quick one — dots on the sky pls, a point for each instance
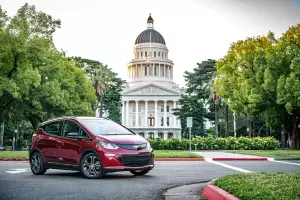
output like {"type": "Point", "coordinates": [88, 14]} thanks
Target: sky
{"type": "Point", "coordinates": [194, 30]}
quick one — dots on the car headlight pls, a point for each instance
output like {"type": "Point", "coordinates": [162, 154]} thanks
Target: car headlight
{"type": "Point", "coordinates": [108, 145]}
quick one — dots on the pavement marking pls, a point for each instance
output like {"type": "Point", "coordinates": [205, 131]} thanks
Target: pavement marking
{"type": "Point", "coordinates": [291, 163]}
{"type": "Point", "coordinates": [17, 171]}
{"type": "Point", "coordinates": [210, 160]}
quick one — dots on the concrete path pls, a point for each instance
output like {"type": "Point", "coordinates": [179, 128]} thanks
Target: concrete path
{"type": "Point", "coordinates": [185, 192]}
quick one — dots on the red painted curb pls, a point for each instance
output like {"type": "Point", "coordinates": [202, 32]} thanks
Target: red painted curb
{"type": "Point", "coordinates": [243, 159]}
{"type": "Point", "coordinates": [13, 159]}
{"type": "Point", "coordinates": [179, 159]}
{"type": "Point", "coordinates": [212, 192]}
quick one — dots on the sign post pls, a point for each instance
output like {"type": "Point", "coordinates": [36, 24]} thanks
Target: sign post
{"type": "Point", "coordinates": [189, 124]}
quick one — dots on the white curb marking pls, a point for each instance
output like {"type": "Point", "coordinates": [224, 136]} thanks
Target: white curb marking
{"type": "Point", "coordinates": [227, 166]}
{"type": "Point", "coordinates": [16, 171]}
{"type": "Point", "coordinates": [291, 163]}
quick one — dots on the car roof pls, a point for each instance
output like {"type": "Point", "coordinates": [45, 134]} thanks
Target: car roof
{"type": "Point", "coordinates": [70, 117]}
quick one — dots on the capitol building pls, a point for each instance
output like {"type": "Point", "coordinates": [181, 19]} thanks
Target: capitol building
{"type": "Point", "coordinates": [150, 93]}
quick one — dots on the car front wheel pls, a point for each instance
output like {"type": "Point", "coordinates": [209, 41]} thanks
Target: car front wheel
{"type": "Point", "coordinates": [140, 172]}
{"type": "Point", "coordinates": [37, 164]}
{"type": "Point", "coordinates": [91, 166]}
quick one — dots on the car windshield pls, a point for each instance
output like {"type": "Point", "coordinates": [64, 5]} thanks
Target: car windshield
{"type": "Point", "coordinates": [105, 127]}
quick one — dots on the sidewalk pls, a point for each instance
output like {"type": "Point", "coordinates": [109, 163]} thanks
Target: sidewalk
{"type": "Point", "coordinates": [219, 155]}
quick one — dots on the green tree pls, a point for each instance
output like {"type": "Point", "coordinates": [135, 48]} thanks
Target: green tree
{"type": "Point", "coordinates": [107, 84]}
{"type": "Point", "coordinates": [36, 80]}
{"type": "Point", "coordinates": [260, 77]}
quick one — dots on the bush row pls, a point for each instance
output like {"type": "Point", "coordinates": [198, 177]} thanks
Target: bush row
{"type": "Point", "coordinates": [211, 143]}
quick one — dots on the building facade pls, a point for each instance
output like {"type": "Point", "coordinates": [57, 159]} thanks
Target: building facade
{"type": "Point", "coordinates": [151, 94]}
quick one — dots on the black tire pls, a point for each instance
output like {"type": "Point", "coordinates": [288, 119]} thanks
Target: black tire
{"type": "Point", "coordinates": [140, 172]}
{"type": "Point", "coordinates": [37, 164]}
{"type": "Point", "coordinates": [90, 166]}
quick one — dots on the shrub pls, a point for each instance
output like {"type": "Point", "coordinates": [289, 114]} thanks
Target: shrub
{"type": "Point", "coordinates": [211, 143]}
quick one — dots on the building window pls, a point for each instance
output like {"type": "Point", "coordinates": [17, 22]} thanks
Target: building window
{"type": "Point", "coordinates": [145, 53]}
{"type": "Point", "coordinates": [168, 121]}
{"type": "Point", "coordinates": [155, 71]}
{"type": "Point", "coordinates": [162, 108]}
{"type": "Point", "coordinates": [170, 135]}
{"type": "Point", "coordinates": [142, 134]}
{"type": "Point", "coordinates": [151, 121]}
{"type": "Point", "coordinates": [151, 135]}
{"type": "Point", "coordinates": [159, 54]}
{"type": "Point", "coordinates": [154, 54]}
{"type": "Point", "coordinates": [162, 54]}
{"type": "Point", "coordinates": [162, 122]}
{"type": "Point", "coordinates": [146, 71]}
{"type": "Point", "coordinates": [168, 108]}
{"type": "Point", "coordinates": [161, 135]}
{"type": "Point", "coordinates": [141, 54]}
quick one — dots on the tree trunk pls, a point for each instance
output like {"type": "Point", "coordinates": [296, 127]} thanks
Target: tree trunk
{"type": "Point", "coordinates": [101, 106]}
{"type": "Point", "coordinates": [267, 130]}
{"type": "Point", "coordinates": [216, 121]}
{"type": "Point", "coordinates": [282, 140]}
{"type": "Point", "coordinates": [226, 120]}
{"type": "Point", "coordinates": [1, 134]}
{"type": "Point", "coordinates": [293, 135]}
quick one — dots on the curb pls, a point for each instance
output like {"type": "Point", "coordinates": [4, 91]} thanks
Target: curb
{"type": "Point", "coordinates": [212, 192]}
{"type": "Point", "coordinates": [14, 159]}
{"type": "Point", "coordinates": [179, 159]}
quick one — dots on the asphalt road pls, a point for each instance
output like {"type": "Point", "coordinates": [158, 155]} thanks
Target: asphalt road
{"type": "Point", "coordinates": [17, 182]}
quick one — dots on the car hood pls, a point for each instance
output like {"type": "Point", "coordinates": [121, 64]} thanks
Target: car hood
{"type": "Point", "coordinates": [124, 139]}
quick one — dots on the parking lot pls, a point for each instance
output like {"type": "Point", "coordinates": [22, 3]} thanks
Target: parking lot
{"type": "Point", "coordinates": [17, 181]}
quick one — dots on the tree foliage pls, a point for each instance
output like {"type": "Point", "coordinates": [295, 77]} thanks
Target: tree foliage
{"type": "Point", "coordinates": [259, 76]}
{"type": "Point", "coordinates": [36, 80]}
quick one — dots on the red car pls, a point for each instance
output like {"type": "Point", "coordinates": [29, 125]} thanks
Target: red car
{"type": "Point", "coordinates": [93, 146]}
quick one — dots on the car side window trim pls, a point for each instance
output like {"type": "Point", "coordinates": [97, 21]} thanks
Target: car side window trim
{"type": "Point", "coordinates": [43, 128]}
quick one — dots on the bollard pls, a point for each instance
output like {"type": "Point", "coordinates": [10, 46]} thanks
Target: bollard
{"type": "Point", "coordinates": [195, 146]}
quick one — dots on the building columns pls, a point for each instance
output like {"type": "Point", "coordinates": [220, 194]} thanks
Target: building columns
{"type": "Point", "coordinates": [123, 113]}
{"type": "Point", "coordinates": [136, 113]}
{"type": "Point", "coordinates": [155, 114]}
{"type": "Point", "coordinates": [127, 113]}
{"type": "Point", "coordinates": [174, 117]}
{"type": "Point", "coordinates": [146, 113]}
{"type": "Point", "coordinates": [165, 113]}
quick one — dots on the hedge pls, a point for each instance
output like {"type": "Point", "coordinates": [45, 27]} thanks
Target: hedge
{"type": "Point", "coordinates": [211, 143]}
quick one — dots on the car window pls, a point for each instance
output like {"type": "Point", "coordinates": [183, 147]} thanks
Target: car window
{"type": "Point", "coordinates": [105, 127]}
{"type": "Point", "coordinates": [53, 128]}
{"type": "Point", "coordinates": [70, 127]}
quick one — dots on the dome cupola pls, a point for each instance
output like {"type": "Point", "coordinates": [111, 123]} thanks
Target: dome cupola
{"type": "Point", "coordinates": [150, 35]}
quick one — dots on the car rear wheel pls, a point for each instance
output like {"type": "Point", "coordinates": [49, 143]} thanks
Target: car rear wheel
{"type": "Point", "coordinates": [91, 166]}
{"type": "Point", "coordinates": [37, 164]}
{"type": "Point", "coordinates": [140, 172]}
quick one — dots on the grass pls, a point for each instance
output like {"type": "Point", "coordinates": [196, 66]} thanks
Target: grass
{"type": "Point", "coordinates": [258, 186]}
{"type": "Point", "coordinates": [277, 154]}
{"type": "Point", "coordinates": [13, 154]}
{"type": "Point", "coordinates": [158, 154]}
{"type": "Point", "coordinates": [174, 154]}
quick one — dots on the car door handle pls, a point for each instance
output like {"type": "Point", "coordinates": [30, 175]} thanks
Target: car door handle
{"type": "Point", "coordinates": [59, 143]}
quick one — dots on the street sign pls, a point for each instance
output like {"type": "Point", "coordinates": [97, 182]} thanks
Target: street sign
{"type": "Point", "coordinates": [189, 122]}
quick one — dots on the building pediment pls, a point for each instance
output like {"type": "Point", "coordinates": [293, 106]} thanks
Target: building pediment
{"type": "Point", "coordinates": [151, 90]}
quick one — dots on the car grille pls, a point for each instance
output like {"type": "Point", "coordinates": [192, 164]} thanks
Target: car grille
{"type": "Point", "coordinates": [134, 147]}
{"type": "Point", "coordinates": [135, 160]}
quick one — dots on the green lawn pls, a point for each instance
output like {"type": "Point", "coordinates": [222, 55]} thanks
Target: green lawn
{"type": "Point", "coordinates": [277, 154]}
{"type": "Point", "coordinates": [158, 154]}
{"type": "Point", "coordinates": [13, 154]}
{"type": "Point", "coordinates": [175, 154]}
{"type": "Point", "coordinates": [258, 186]}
